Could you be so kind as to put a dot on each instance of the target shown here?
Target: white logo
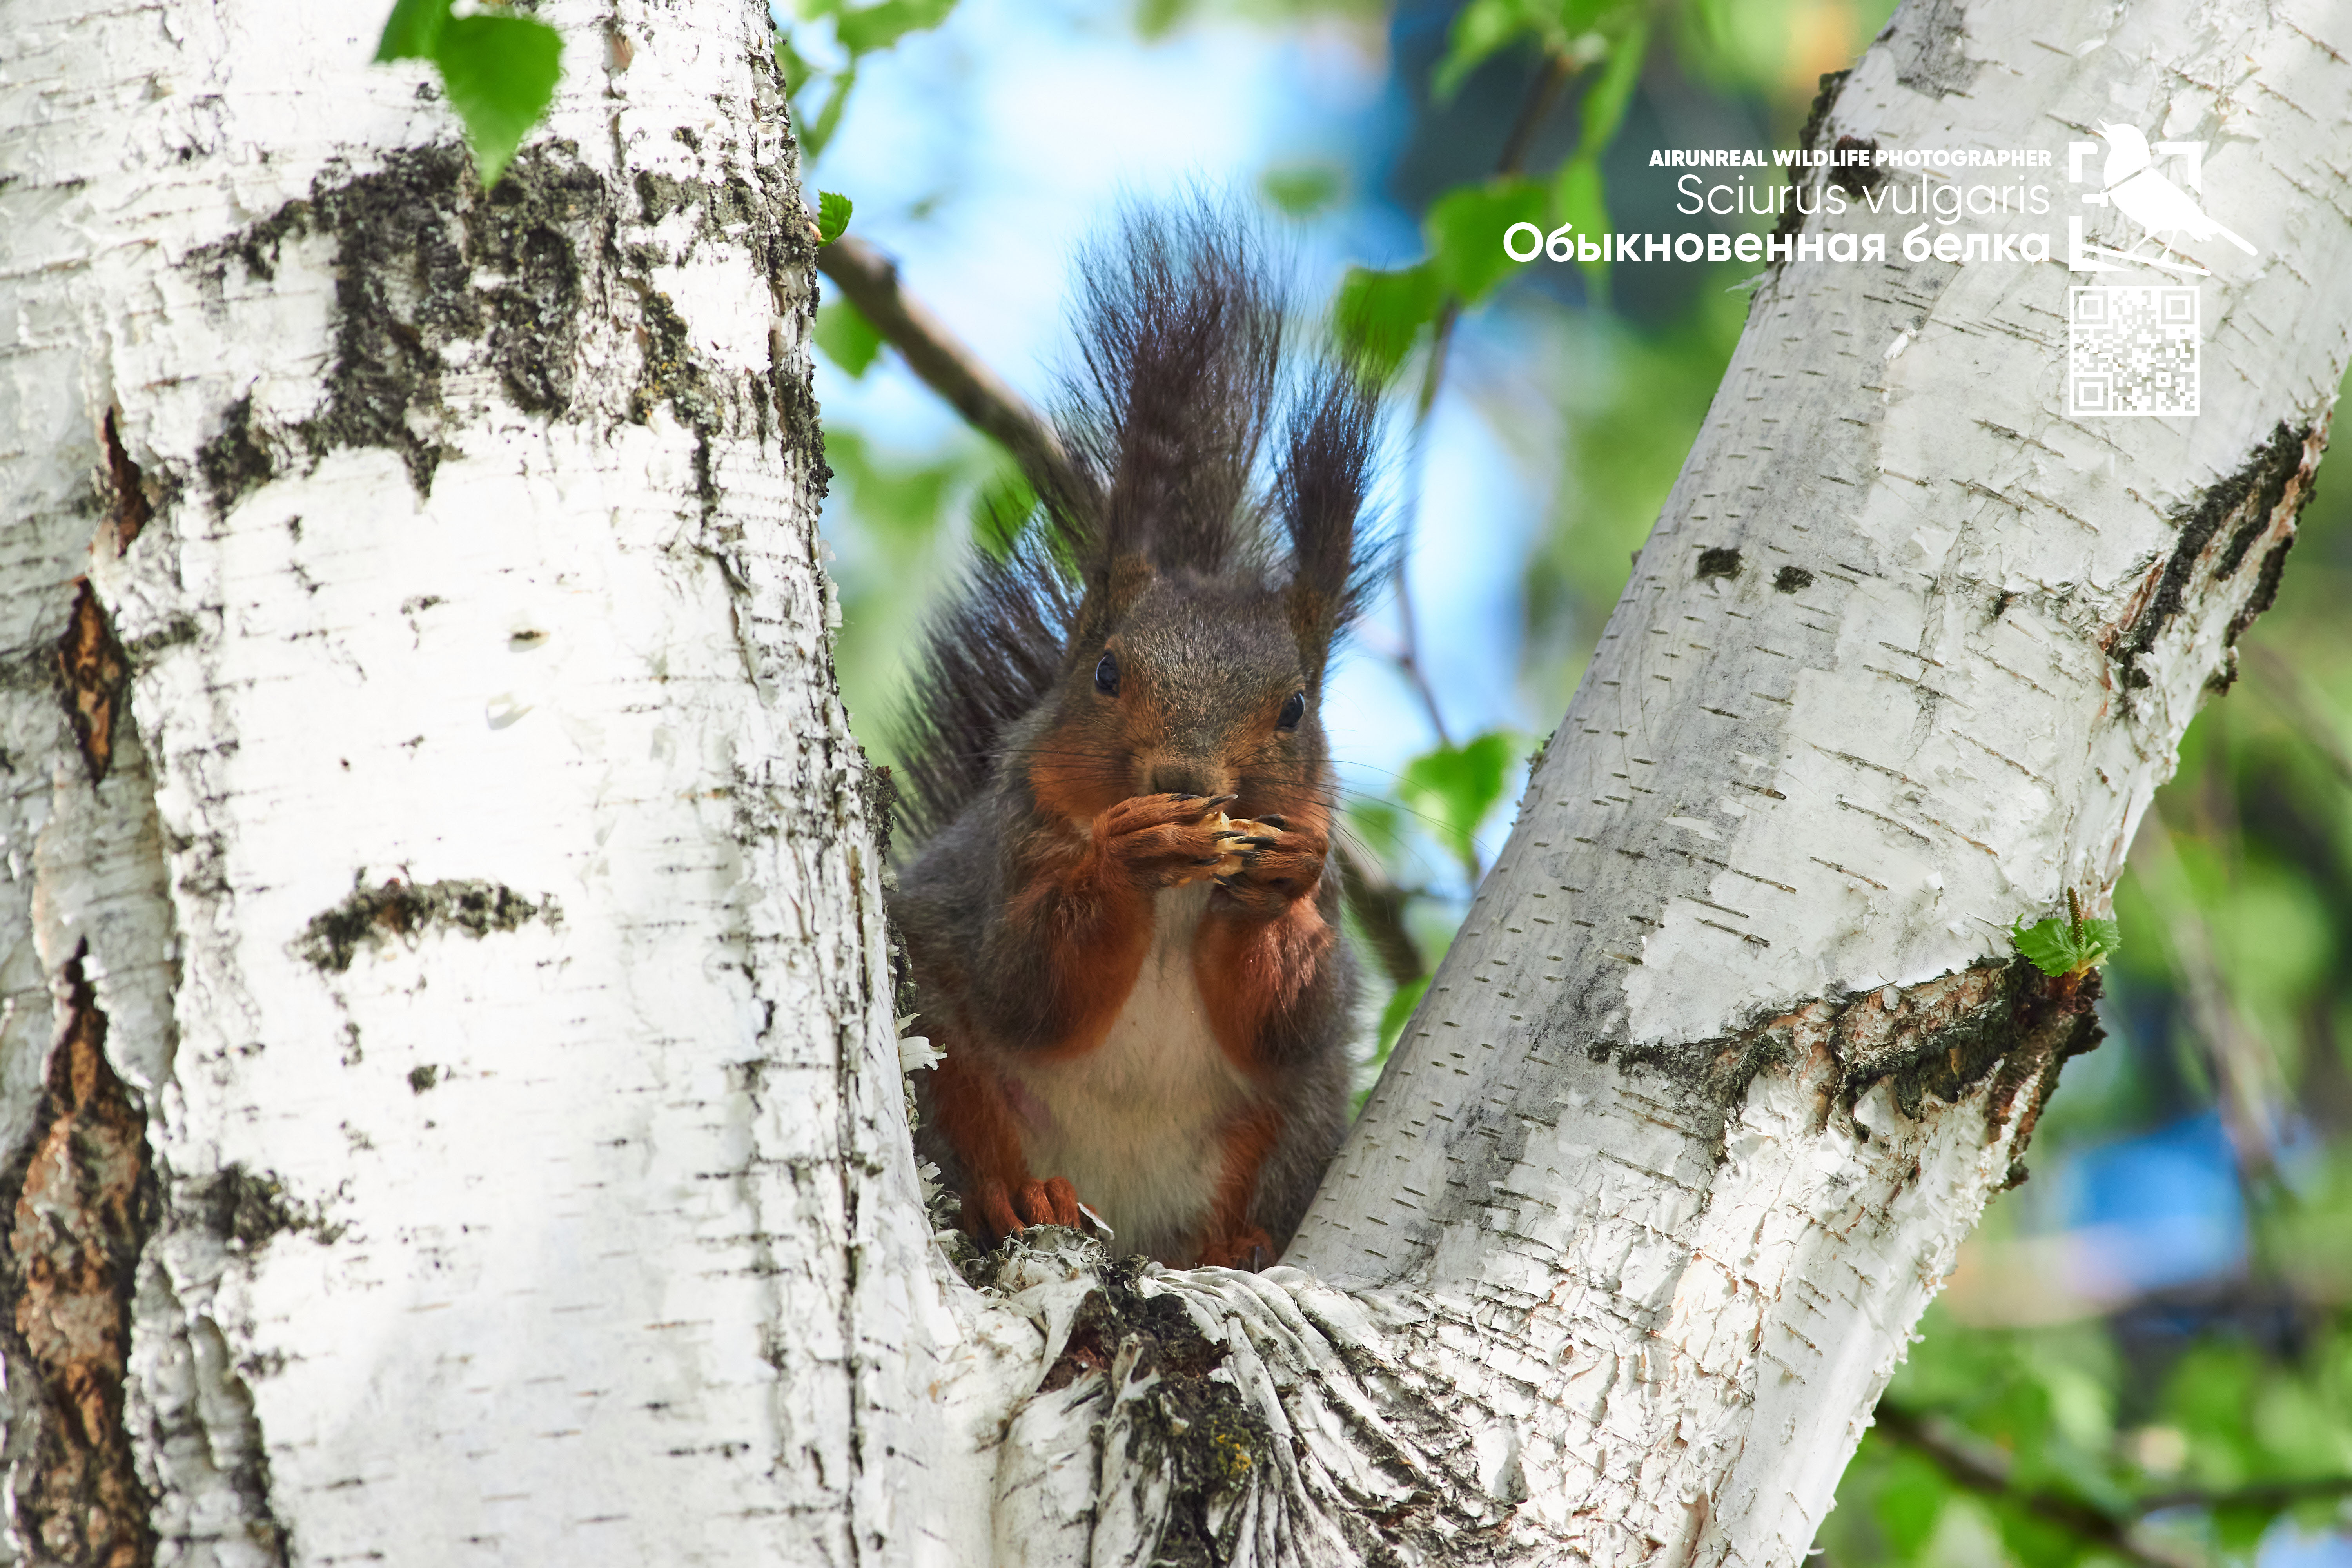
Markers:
(2132, 184)
(2137, 348)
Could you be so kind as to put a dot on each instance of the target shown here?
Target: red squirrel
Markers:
(1122, 922)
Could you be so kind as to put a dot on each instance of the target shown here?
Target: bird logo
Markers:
(2130, 184)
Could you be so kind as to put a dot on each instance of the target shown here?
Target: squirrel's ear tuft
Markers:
(1180, 343)
(1336, 561)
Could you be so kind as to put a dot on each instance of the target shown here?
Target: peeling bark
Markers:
(95, 673)
(82, 1205)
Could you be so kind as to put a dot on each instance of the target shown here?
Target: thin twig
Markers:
(2275, 1494)
(2245, 1073)
(1377, 905)
(1988, 1473)
(869, 279)
(1549, 78)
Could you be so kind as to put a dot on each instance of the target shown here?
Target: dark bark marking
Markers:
(1718, 562)
(371, 917)
(673, 375)
(427, 261)
(1929, 58)
(96, 675)
(1832, 83)
(2265, 594)
(1788, 579)
(2276, 476)
(1936, 1041)
(247, 1209)
(429, 266)
(235, 461)
(83, 1205)
(131, 508)
(1859, 178)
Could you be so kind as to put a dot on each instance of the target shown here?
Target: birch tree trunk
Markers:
(447, 1049)
(443, 946)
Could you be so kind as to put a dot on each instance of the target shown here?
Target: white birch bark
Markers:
(495, 1149)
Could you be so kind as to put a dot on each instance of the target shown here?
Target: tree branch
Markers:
(1988, 1474)
(2274, 1494)
(869, 280)
(1548, 81)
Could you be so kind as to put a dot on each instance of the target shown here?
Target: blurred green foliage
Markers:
(1454, 790)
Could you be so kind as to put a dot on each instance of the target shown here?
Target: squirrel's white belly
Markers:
(1136, 1124)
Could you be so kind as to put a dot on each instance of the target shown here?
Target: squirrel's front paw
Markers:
(1251, 1250)
(999, 1210)
(1165, 840)
(1280, 862)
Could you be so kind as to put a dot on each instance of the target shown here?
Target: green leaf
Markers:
(1456, 786)
(1484, 27)
(2066, 946)
(879, 26)
(848, 338)
(1302, 190)
(833, 211)
(1465, 231)
(412, 30)
(1577, 192)
(1577, 196)
(1603, 109)
(500, 74)
(2045, 944)
(815, 131)
(1379, 314)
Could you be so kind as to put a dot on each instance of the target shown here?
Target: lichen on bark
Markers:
(396, 909)
(429, 269)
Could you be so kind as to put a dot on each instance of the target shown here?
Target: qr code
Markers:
(2132, 351)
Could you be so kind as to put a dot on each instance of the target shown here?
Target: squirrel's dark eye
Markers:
(1292, 711)
(1107, 676)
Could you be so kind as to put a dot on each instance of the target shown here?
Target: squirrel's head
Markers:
(1197, 687)
(1167, 628)
(1196, 660)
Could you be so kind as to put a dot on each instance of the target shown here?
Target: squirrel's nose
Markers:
(1187, 778)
